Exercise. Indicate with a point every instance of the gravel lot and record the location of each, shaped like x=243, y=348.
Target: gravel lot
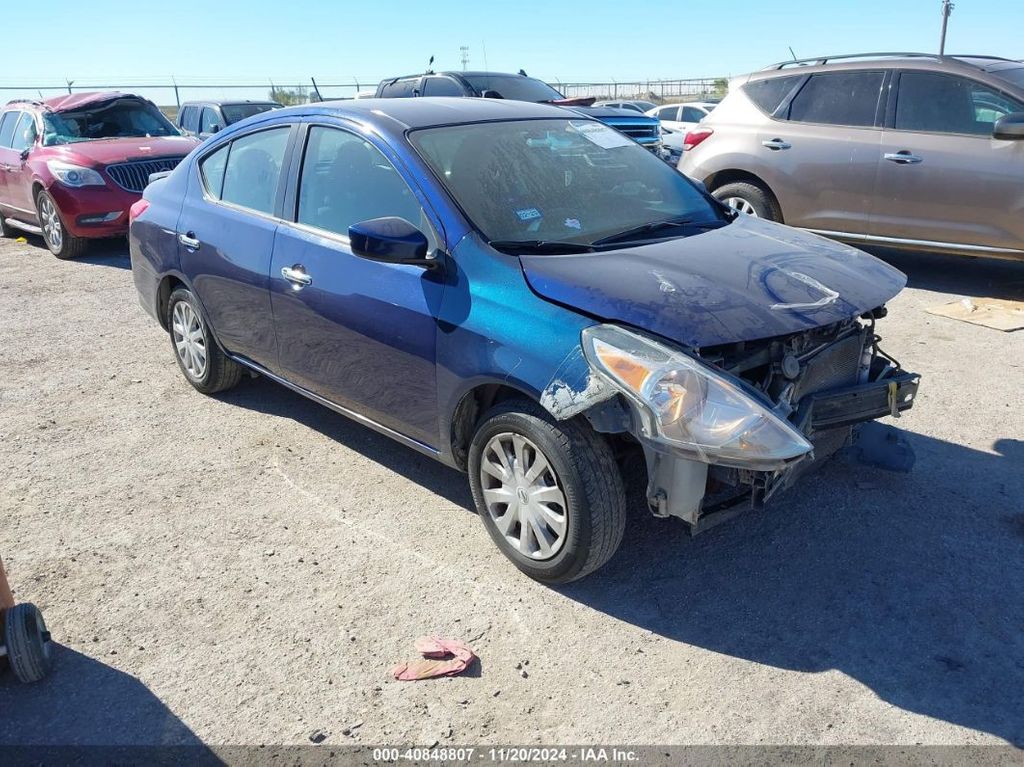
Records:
x=246, y=569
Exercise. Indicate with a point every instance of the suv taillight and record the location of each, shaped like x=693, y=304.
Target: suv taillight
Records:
x=695, y=137
x=137, y=209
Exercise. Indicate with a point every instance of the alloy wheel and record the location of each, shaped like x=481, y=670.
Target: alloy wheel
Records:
x=189, y=339
x=523, y=496
x=53, y=230
x=740, y=204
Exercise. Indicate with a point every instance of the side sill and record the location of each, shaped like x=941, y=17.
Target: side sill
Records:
x=357, y=417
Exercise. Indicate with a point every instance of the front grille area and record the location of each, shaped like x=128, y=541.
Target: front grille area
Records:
x=834, y=367
x=133, y=176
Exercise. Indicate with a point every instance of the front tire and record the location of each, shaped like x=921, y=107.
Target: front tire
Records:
x=58, y=239
x=549, y=493
x=29, y=650
x=199, y=357
x=750, y=198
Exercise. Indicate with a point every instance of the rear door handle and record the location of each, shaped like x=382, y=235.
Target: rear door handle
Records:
x=902, y=158
x=189, y=240
x=297, y=276
x=776, y=144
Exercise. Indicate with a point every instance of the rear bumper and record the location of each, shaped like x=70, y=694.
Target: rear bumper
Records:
x=89, y=211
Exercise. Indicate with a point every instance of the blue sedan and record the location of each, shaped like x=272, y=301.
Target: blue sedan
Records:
x=524, y=294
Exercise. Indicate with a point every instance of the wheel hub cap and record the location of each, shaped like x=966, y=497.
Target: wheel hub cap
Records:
x=189, y=341
x=740, y=204
x=523, y=496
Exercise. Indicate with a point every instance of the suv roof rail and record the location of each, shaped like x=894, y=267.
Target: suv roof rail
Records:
x=818, y=60
x=25, y=101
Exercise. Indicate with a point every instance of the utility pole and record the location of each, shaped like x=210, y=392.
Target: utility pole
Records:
x=464, y=56
x=947, y=8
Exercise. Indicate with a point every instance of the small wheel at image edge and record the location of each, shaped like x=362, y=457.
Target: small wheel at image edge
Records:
x=29, y=649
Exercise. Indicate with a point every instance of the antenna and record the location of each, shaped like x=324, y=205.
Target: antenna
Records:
x=947, y=8
x=429, y=65
x=791, y=52
x=484, y=46
x=316, y=90
x=70, y=83
x=464, y=56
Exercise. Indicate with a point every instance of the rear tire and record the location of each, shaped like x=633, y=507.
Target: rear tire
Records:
x=29, y=650
x=562, y=485
x=751, y=198
x=5, y=230
x=199, y=357
x=58, y=239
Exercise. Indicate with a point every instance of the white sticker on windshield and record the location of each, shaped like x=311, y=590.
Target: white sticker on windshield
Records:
x=602, y=135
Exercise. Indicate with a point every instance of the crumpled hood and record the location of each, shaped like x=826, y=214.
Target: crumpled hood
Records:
x=748, y=280
x=113, y=150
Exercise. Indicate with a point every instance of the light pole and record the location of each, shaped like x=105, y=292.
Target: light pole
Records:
x=947, y=8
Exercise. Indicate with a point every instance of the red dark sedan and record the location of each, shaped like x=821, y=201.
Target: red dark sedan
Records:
x=71, y=166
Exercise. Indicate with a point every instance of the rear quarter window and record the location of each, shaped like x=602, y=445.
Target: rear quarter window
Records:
x=768, y=94
x=400, y=89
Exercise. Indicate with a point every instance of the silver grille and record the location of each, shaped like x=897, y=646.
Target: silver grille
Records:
x=133, y=176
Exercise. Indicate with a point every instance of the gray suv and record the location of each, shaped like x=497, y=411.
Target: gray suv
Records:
x=905, y=150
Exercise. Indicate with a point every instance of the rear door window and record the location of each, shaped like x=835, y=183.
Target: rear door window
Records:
x=692, y=115
x=190, y=119
x=253, y=169
x=211, y=168
x=668, y=113
x=930, y=102
x=839, y=98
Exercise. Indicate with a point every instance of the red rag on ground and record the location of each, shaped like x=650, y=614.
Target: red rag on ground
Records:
x=436, y=663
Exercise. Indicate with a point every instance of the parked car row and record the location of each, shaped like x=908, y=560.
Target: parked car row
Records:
x=903, y=150
x=525, y=294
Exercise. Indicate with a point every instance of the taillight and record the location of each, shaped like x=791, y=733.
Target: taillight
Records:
x=695, y=137
x=137, y=209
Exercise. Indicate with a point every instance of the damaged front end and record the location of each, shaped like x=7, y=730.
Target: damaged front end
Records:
x=726, y=428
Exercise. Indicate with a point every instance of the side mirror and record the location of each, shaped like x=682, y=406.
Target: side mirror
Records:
x=390, y=239
x=214, y=128
x=24, y=153
x=491, y=94
x=1009, y=127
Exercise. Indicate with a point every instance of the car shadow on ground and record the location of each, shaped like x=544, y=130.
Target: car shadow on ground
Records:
x=959, y=275
x=88, y=705
x=265, y=396
x=909, y=583
x=110, y=252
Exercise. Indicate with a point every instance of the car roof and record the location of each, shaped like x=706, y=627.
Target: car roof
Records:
x=226, y=102
x=71, y=101
x=962, y=63
x=430, y=111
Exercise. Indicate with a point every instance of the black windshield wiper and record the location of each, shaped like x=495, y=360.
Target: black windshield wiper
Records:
x=652, y=227
x=539, y=246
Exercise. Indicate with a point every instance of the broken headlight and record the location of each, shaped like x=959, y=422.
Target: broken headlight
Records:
x=690, y=407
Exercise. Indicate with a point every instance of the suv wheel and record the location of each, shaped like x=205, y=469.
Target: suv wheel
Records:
x=199, y=357
x=750, y=198
x=549, y=493
x=5, y=229
x=61, y=243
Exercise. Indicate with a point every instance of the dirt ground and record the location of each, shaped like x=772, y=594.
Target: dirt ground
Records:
x=246, y=568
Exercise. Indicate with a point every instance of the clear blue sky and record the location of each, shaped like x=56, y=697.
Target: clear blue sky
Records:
x=234, y=41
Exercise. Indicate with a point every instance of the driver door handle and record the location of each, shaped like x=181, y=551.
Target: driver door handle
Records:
x=296, y=275
x=189, y=240
x=776, y=144
x=902, y=158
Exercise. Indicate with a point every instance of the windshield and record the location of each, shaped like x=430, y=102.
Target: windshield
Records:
x=567, y=182
x=514, y=87
x=235, y=112
x=110, y=119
